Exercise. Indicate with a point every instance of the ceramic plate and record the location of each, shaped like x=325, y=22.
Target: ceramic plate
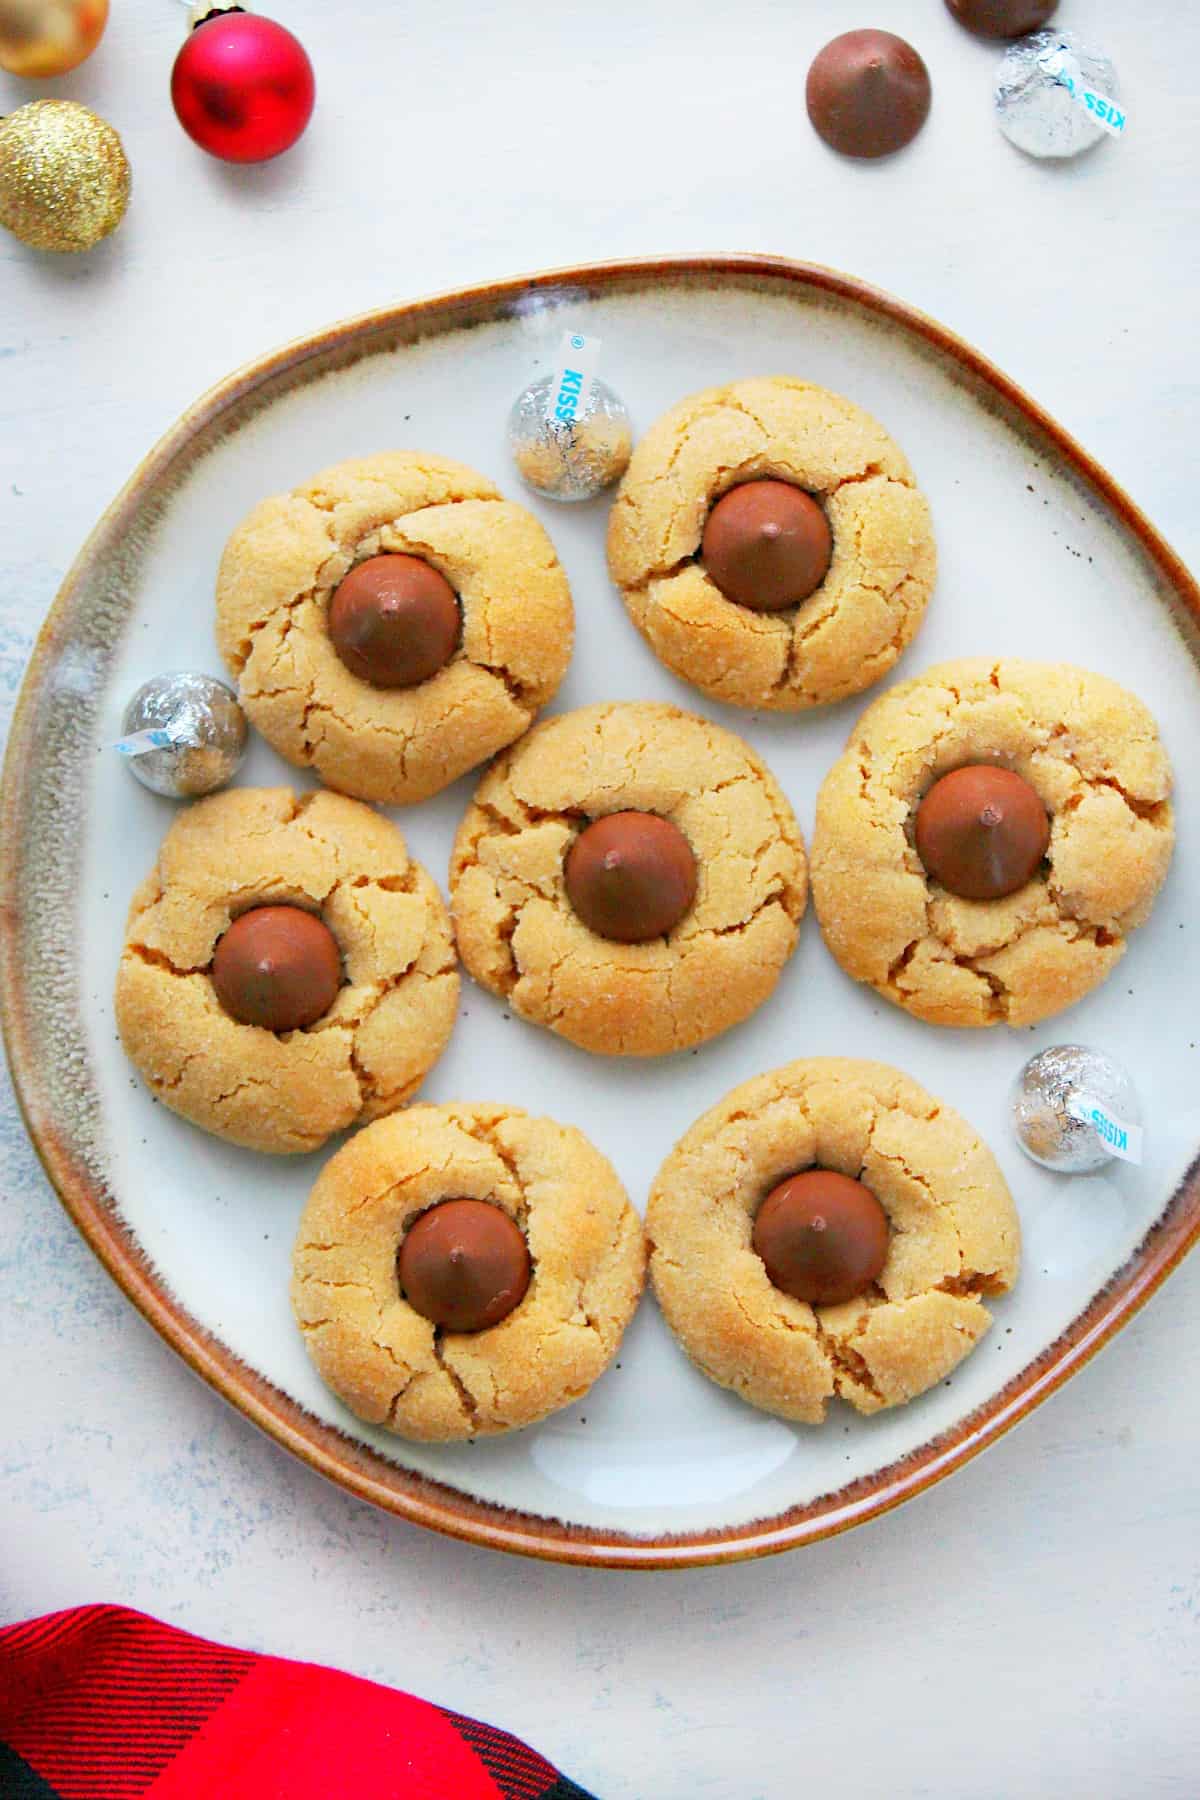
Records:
x=1040, y=555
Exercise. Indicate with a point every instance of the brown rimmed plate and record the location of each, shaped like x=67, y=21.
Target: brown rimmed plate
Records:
x=1041, y=554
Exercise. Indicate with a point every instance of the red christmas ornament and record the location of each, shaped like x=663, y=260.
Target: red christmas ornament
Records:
x=242, y=86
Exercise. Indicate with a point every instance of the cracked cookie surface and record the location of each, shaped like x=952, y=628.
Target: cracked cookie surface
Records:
x=519, y=935
x=393, y=1367
x=954, y=1236
x=392, y=1016
x=849, y=632
x=1092, y=753
x=277, y=575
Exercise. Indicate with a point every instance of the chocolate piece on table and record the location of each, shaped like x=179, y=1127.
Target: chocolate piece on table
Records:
x=868, y=93
x=1002, y=18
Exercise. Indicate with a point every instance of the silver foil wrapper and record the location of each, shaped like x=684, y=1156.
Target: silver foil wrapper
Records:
x=207, y=728
x=1034, y=110
x=1041, y=1098
x=575, y=461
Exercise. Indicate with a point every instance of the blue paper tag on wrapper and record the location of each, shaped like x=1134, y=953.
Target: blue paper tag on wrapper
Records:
x=1119, y=1137
x=571, y=380
x=1066, y=71
x=141, y=741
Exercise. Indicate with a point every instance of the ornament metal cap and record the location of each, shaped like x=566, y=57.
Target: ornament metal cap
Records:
x=200, y=13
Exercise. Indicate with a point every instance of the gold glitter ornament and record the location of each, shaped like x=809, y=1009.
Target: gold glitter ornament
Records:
x=64, y=178
x=40, y=38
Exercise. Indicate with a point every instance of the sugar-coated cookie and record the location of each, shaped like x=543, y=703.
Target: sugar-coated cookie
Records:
x=953, y=1238
x=668, y=548
x=1091, y=753
x=394, y=1365
x=709, y=859
x=475, y=685
x=341, y=872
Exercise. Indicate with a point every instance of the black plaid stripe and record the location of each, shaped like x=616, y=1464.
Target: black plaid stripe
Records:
x=518, y=1771
x=19, y=1782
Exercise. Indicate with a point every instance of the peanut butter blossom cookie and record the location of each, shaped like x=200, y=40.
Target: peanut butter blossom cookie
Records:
x=631, y=877
x=288, y=970
x=771, y=544
x=393, y=623
x=464, y=1270
x=990, y=836
x=830, y=1228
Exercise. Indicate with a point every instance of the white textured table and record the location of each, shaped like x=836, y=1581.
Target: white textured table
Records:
x=1031, y=1627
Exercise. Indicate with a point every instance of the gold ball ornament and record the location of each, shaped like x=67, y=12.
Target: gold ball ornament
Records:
x=64, y=178
x=40, y=38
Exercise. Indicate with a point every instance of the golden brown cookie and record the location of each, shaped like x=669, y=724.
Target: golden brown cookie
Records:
x=851, y=630
x=390, y=1019
x=1092, y=753
x=390, y=1364
x=519, y=934
x=395, y=745
x=954, y=1237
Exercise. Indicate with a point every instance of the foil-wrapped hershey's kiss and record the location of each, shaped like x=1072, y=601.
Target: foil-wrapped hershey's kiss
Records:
x=184, y=734
x=573, y=459
x=1051, y=1124
x=1041, y=94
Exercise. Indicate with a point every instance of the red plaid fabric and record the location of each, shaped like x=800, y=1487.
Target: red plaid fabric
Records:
x=101, y=1703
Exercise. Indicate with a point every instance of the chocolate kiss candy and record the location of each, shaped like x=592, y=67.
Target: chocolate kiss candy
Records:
x=767, y=545
x=868, y=93
x=278, y=967
x=464, y=1264
x=1002, y=18
x=631, y=876
x=981, y=832
x=394, y=621
x=823, y=1237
